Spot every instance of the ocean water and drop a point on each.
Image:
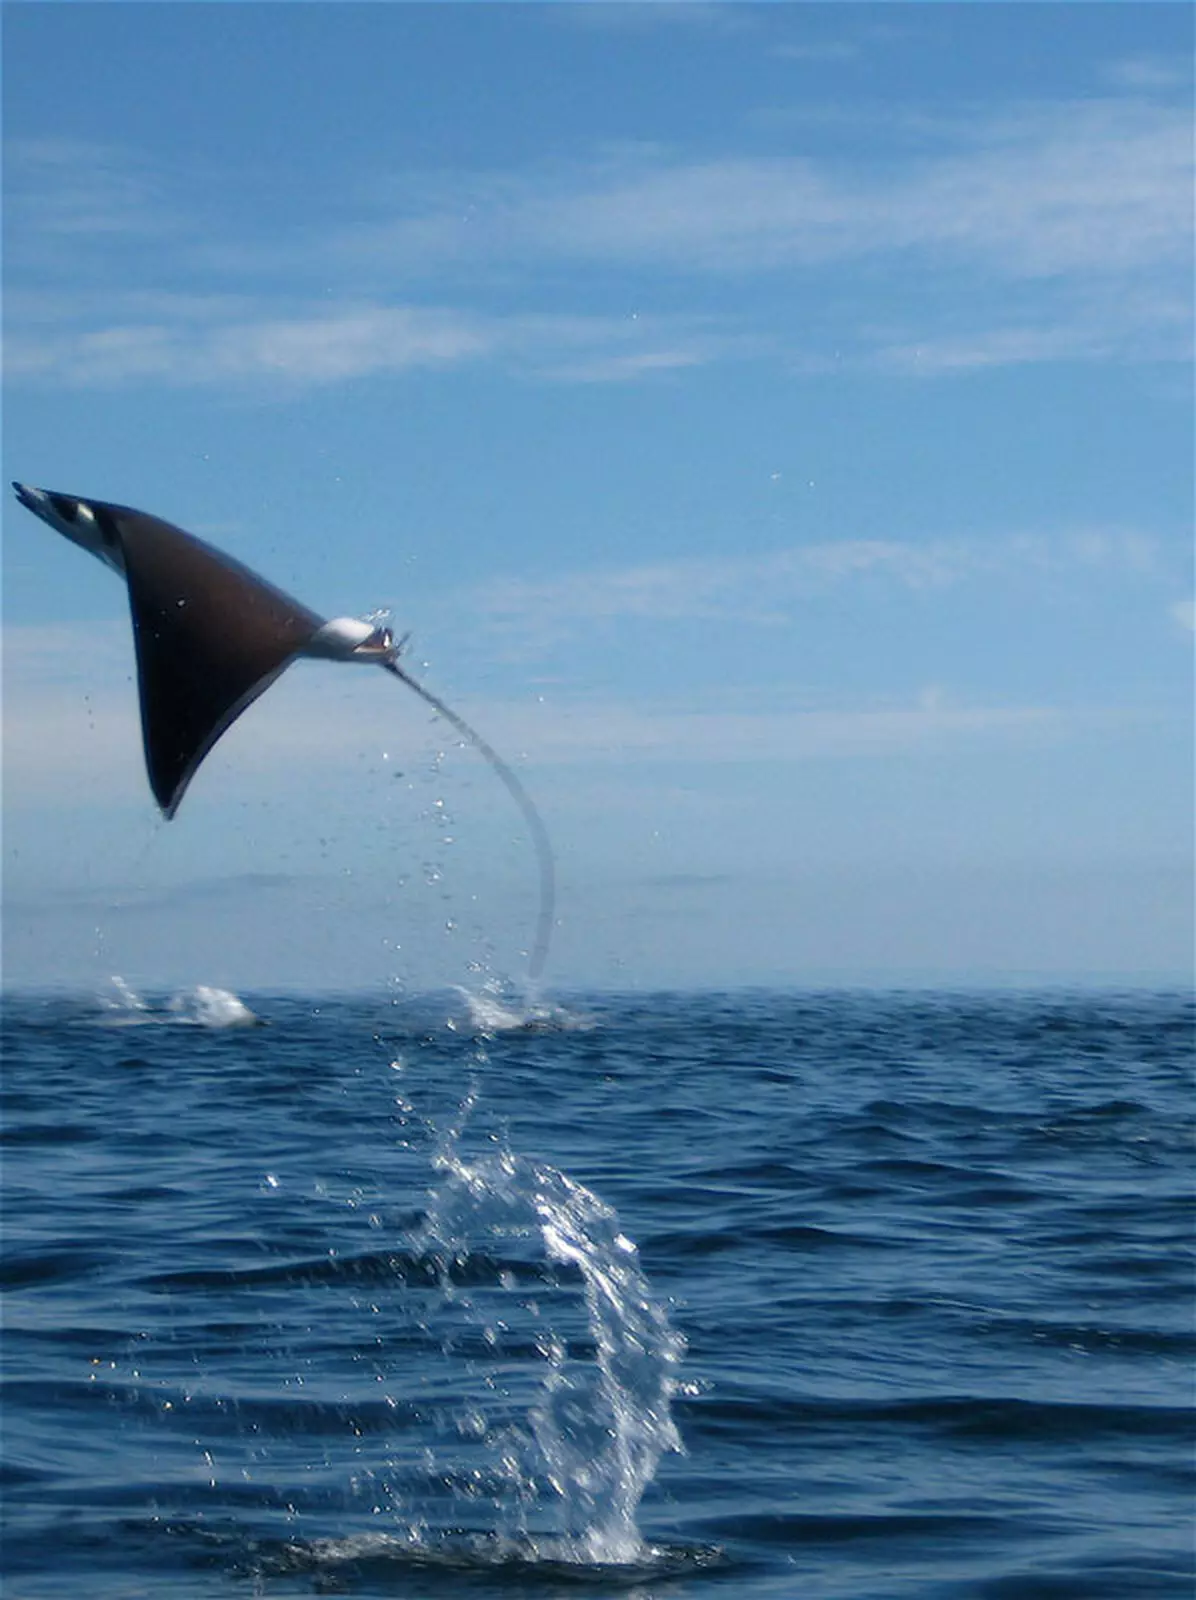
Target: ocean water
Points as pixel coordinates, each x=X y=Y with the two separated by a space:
x=839 y=1296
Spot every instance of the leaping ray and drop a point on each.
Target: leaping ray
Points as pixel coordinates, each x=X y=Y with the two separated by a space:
x=211 y=636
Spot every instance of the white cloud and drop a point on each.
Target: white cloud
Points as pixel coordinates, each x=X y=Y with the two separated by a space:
x=767 y=588
x=308 y=730
x=71 y=189
x=69 y=712
x=1154 y=327
x=1075 y=217
x=185 y=348
x=623 y=366
x=198 y=342
x=350 y=343
x=1096 y=187
x=622 y=733
x=1150 y=73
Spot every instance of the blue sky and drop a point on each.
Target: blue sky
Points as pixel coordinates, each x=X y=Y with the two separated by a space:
x=773 y=423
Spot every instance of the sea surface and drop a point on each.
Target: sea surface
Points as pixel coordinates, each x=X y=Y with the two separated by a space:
x=806 y=1296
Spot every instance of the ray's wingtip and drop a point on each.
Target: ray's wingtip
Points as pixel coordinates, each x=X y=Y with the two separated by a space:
x=28 y=495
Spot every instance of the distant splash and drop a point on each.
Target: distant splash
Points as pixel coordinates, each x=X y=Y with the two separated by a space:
x=124 y=998
x=489 y=1012
x=206 y=1007
x=484 y=1013
x=203 y=1006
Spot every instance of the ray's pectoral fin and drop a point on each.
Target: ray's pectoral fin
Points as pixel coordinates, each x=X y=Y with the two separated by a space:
x=211 y=636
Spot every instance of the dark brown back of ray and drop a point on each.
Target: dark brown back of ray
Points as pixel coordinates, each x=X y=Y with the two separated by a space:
x=211 y=636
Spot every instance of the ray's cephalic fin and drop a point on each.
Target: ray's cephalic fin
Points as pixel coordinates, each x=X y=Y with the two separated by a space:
x=211 y=636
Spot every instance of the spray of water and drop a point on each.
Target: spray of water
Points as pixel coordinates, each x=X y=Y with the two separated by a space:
x=601 y=1468
x=566 y=1441
x=538 y=834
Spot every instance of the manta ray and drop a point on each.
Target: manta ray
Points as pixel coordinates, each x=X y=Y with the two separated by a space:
x=211 y=636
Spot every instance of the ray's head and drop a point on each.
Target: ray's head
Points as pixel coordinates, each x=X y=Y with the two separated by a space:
x=87 y=523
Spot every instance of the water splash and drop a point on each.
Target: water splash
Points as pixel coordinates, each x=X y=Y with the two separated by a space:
x=123 y=999
x=203 y=1006
x=492 y=1011
x=601 y=1431
x=208 y=1007
x=566 y=1440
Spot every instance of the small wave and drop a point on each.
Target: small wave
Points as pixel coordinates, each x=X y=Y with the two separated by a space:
x=34 y=1269
x=49 y=1133
x=988 y=1418
x=470 y=1269
x=379 y=1555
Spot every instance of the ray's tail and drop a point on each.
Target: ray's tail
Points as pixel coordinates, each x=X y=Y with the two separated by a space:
x=545 y=864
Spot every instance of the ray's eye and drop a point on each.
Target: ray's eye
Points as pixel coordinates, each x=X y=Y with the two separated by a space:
x=66 y=508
